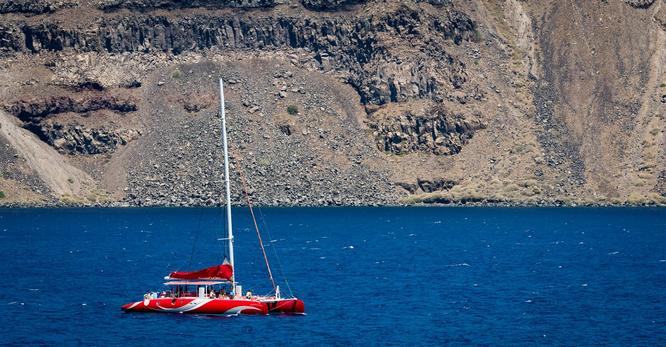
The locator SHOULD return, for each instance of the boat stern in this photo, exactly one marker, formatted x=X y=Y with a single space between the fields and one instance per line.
x=294 y=306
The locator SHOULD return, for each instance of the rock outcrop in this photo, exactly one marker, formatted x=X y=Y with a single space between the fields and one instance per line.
x=352 y=39
x=328 y=5
x=427 y=185
x=72 y=138
x=351 y=44
x=145 y=5
x=640 y=3
x=34 y=7
x=660 y=187
x=33 y=110
x=77 y=139
x=437 y=131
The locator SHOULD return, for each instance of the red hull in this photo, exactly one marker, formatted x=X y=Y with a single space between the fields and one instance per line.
x=285 y=306
x=215 y=306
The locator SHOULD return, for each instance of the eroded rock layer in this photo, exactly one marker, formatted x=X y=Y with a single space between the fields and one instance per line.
x=438 y=131
x=342 y=101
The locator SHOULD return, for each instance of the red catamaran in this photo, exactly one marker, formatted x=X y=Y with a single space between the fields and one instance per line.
x=205 y=291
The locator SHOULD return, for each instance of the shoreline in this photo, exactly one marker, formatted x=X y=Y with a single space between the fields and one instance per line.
x=555 y=204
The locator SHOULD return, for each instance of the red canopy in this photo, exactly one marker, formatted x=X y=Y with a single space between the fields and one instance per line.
x=222 y=271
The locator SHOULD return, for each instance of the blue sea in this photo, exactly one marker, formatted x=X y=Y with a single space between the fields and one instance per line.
x=368 y=276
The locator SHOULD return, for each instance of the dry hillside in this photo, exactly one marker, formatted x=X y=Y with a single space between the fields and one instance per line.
x=333 y=102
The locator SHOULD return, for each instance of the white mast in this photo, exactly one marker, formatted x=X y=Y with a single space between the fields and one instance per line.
x=227 y=189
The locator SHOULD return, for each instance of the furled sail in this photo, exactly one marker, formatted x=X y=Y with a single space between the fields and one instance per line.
x=216 y=272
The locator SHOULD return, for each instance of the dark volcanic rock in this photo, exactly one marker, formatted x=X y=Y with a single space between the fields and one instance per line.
x=11 y=39
x=349 y=43
x=437 y=131
x=436 y=2
x=86 y=85
x=33 y=7
x=76 y=139
x=429 y=186
x=661 y=183
x=640 y=3
x=329 y=5
x=35 y=109
x=144 y=5
x=131 y=84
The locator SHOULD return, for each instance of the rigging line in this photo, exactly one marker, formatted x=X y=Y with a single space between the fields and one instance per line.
x=256 y=226
x=265 y=226
x=196 y=239
x=277 y=257
x=274 y=249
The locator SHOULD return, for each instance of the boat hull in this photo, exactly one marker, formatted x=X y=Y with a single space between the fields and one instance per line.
x=215 y=306
x=197 y=306
x=285 y=306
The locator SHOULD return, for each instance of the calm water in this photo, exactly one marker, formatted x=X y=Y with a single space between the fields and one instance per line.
x=375 y=276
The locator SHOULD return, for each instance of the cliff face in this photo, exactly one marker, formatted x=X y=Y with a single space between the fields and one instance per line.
x=342 y=102
x=358 y=45
x=604 y=85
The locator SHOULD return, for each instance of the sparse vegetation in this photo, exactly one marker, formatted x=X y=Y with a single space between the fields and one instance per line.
x=495 y=191
x=92 y=197
x=641 y=199
x=662 y=85
x=292 y=110
x=2 y=194
x=477 y=36
x=70 y=180
x=635 y=199
x=263 y=162
x=519 y=148
x=176 y=74
x=72 y=200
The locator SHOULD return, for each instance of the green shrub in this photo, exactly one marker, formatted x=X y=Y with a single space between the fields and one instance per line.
x=477 y=36
x=662 y=85
x=70 y=180
x=263 y=162
x=2 y=194
x=292 y=110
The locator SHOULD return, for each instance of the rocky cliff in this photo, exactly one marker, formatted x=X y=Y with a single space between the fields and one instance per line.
x=339 y=101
